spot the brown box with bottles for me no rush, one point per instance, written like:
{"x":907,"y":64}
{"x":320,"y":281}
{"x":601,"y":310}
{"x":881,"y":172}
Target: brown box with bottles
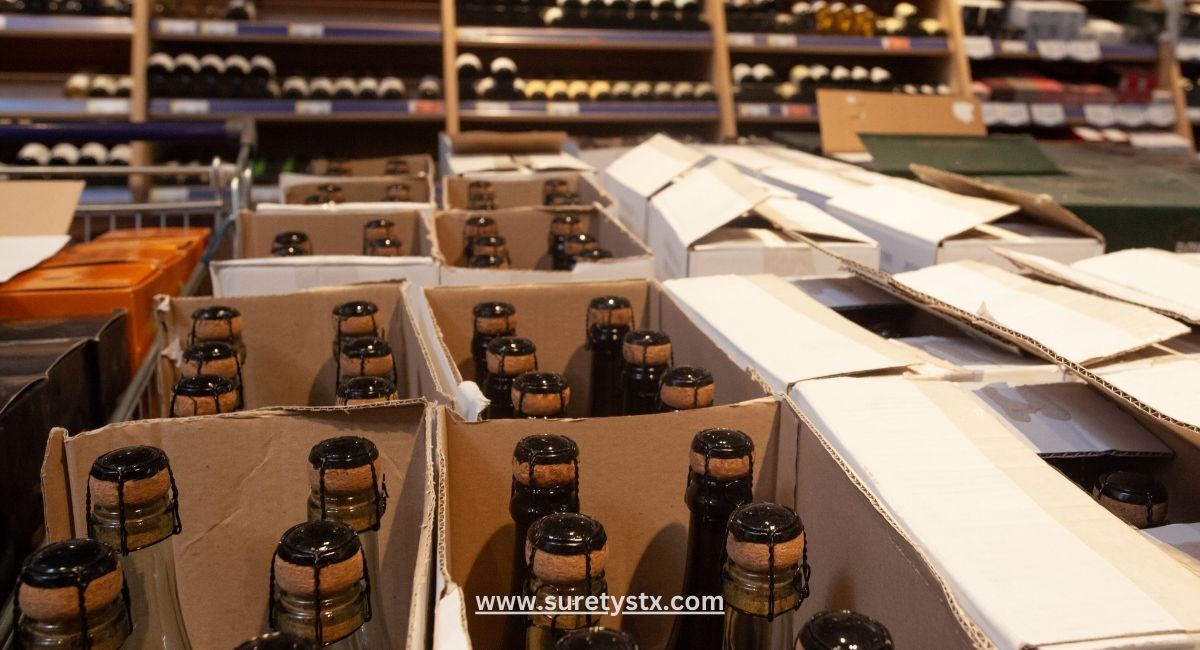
{"x":523,"y":193}
{"x":340,"y":231}
{"x":420,"y":165}
{"x":241,"y":484}
{"x":297,"y":188}
{"x":289,"y":343}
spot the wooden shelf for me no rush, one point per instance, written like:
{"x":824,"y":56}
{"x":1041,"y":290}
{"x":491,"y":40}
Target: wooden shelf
{"x":838,"y":45}
{"x":567,"y":112}
{"x":285,"y":110}
{"x":1019,"y":115}
{"x":590,"y":39}
{"x":169,"y":29}
{"x":89,"y":27}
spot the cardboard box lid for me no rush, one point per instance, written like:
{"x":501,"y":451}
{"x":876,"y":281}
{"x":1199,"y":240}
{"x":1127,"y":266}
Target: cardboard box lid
{"x":705,"y":199}
{"x":969,"y":352}
{"x":1153,"y":278}
{"x":83,"y":278}
{"x":34,"y":219}
{"x":926,"y":217}
{"x":822,"y":182}
{"x":648,"y":167}
{"x":1182,"y":542}
{"x":754,"y":158}
{"x":1166,"y":384}
{"x":791,"y":336}
{"x":845,"y":292}
{"x":550,"y":162}
{"x":996,"y":521}
{"x":466,"y":164}
{"x":1079,"y":327}
{"x":1069,"y":420}
{"x":794,"y":215}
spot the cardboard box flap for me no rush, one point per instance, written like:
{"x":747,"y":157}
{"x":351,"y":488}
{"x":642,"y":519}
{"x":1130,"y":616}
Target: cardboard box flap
{"x":996,"y":521}
{"x":1167,"y":385}
{"x":463,"y":165}
{"x":552,"y":162}
{"x":815,"y":182}
{"x":1156,"y":279}
{"x":754,"y":158}
{"x":474,"y":142}
{"x":34,"y":220}
{"x":844,"y":292}
{"x":648,"y":167}
{"x":1037,"y":206}
{"x":826,"y":344}
{"x":1181,"y":541}
{"x":1070,"y":419}
{"x":983,"y":206}
{"x":1079,"y":327}
{"x":928,"y":219}
{"x":705,"y":199}
{"x":799,"y":216}
{"x":369,"y":209}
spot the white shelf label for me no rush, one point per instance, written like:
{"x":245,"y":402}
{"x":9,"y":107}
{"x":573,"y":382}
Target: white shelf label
{"x":979,"y":47}
{"x":1014,"y":114}
{"x":991,"y":113}
{"x":1188,"y":50}
{"x":741,"y":39}
{"x":781,"y":40}
{"x":1193,"y":113}
{"x":1048,"y":114}
{"x":1099,"y":114}
{"x":1052,"y":50}
{"x":1160,"y":114}
{"x":314,"y":107}
{"x":107,"y":106}
{"x":754,"y":110}
{"x":1131,"y":115}
{"x":306,"y":30}
{"x":189,"y":106}
{"x":1084,"y":50}
{"x":219,"y":28}
{"x":176,"y":26}
{"x":170,"y":194}
{"x":3,"y":23}
{"x":562,"y":108}
{"x":493,"y":108}
{"x":1014,"y":47}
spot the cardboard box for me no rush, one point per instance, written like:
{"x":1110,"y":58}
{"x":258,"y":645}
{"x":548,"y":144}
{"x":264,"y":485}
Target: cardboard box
{"x":45,"y":209}
{"x":552,"y":316}
{"x":524,"y":193}
{"x":499,"y":155}
{"x":419,"y":165}
{"x":192,"y":241}
{"x":973,"y":359}
{"x":296,"y":188}
{"x":527,"y":231}
{"x":242,"y":484}
{"x":628,"y":482}
{"x":289,"y":343}
{"x":714,"y":220}
{"x":844,"y":114}
{"x":173,"y":262}
{"x":890,"y":491}
{"x":634,"y":178}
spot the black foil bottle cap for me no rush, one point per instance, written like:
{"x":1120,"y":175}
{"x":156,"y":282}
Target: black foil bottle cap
{"x":1131,"y":487}
{"x":567,"y":533}
{"x":367,"y":347}
{"x":511,"y":346}
{"x":343,"y":452}
{"x":844,"y":630}
{"x":379,"y":223}
{"x":487,"y":261}
{"x":687,"y":377}
{"x":209,"y":351}
{"x":129,"y":464}
{"x":356,"y":308}
{"x":278,"y":641}
{"x":493,"y":310}
{"x":540,"y":383}
{"x":722,"y":443}
{"x":215,"y":312}
{"x":366,"y":388}
{"x":765,"y":523}
{"x":546,"y":449}
{"x":288,"y":250}
{"x":493,"y":241}
{"x":596,"y":638}
{"x":609,"y":303}
{"x":203,"y":386}
{"x":69,"y":563}
{"x":290,"y":238}
{"x":318,"y":543}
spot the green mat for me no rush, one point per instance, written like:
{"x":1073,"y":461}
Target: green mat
{"x":994,"y":155}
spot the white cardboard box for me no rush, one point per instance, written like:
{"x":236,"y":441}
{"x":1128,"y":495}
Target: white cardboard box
{"x":634,"y":178}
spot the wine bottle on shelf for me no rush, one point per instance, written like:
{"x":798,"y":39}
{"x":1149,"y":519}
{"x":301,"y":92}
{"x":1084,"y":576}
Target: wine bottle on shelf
{"x":69,"y":595}
{"x":345,"y":87}
{"x":844,"y":629}
{"x":124,"y":86}
{"x":763,"y":73}
{"x":237,"y":72}
{"x":642,"y":91}
{"x":552,"y":17}
{"x":535,"y":90}
{"x":469,"y":66}
{"x":577,"y":91}
{"x":839,"y":77}
{"x":430,"y":87}
{"x":320,"y":88}
{"x":241,"y":10}
{"x":262,"y":72}
{"x":503,"y":69}
{"x":600,"y":91}
{"x":572,"y":12}
{"x":800,"y":78}
{"x":77,"y":86}
{"x":212,"y":69}
{"x":160,"y":75}
{"x":486,"y":88}
{"x":664,"y":14}
{"x":683,"y":91}
{"x":64,"y":154}
{"x":366,"y":88}
{"x":860,"y":78}
{"x":557,"y":90}
{"x":93,"y":154}
{"x":566,"y":554}
{"x":295,"y":87}
{"x":391,"y":87}
{"x":765,"y":577}
{"x":102,"y":86}
{"x":507,"y":358}
{"x":609,"y":319}
{"x":743,"y":73}
{"x":663,"y":91}
{"x":120,"y":155}
{"x":641,"y":14}
{"x":688,"y":13}
{"x":617,"y":13}
{"x":33,"y":154}
{"x":704,"y":92}
{"x":622,"y":91}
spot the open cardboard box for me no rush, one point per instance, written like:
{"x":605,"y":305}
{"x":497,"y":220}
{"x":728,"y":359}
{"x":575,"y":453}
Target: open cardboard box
{"x":289,"y":343}
{"x":920,"y":489}
{"x":296,"y":188}
{"x":419,"y":165}
{"x":524,"y":192}
{"x":527,"y":231}
{"x":46,"y":209}
{"x":714,"y":220}
{"x":496,"y":155}
{"x":553,"y":317}
{"x":634,"y":178}
{"x":242,"y":483}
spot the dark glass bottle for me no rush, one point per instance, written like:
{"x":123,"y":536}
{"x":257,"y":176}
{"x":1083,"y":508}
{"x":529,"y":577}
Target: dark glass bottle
{"x":477,"y":227}
{"x":1136,"y":498}
{"x":507,"y":358}
{"x":720,"y":479}
{"x":278,"y":641}
{"x":378,"y":229}
{"x":481,"y":195}
{"x":44,"y":619}
{"x":490,"y":245}
{"x":352,"y":320}
{"x":545,"y":480}
{"x":540,"y":395}
{"x":562,"y":228}
{"x":596,"y":638}
{"x":647,"y":356}
{"x":566,"y":559}
{"x":320,"y":586}
{"x":844,"y":630}
{"x":203,"y":395}
{"x":217,"y":323}
{"x":386,"y":247}
{"x":575,"y":246}
{"x":491,"y":320}
{"x":214,"y":358}
{"x":488,"y":262}
{"x":358,"y":391}
{"x":685,"y":388}
{"x":765,"y":577}
{"x":368,"y":356}
{"x":609,"y":319}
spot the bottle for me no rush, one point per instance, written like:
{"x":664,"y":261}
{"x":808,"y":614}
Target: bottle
{"x":685,"y":388}
{"x":540,"y":395}
{"x":345,"y":87}
{"x":295,"y":87}
{"x":366,"y":88}
{"x":647,"y":355}
{"x":545,"y":480}
{"x":102,"y":85}
{"x":488,"y":262}
{"x":236,"y":79}
{"x":369,"y":356}
{"x":289,"y":250}
{"x":119,"y":155}
{"x":241,"y":10}
{"x":347,"y":485}
{"x":844,"y":630}
{"x":507,"y":358}
{"x":64,"y":154}
{"x":491,"y":320}
{"x":278,"y":641}
{"x":663,"y":91}
{"x":557,"y":191}
{"x":469,"y":66}
{"x":562,"y":228}
{"x":1135,"y":498}
{"x":765,"y":576}
{"x":600,"y":91}
{"x":203,"y":395}
{"x":378,"y":229}
{"x":33,"y":154}
{"x":591,"y":255}
{"x":320,"y":88}
{"x":705,"y":92}
{"x":212,"y":68}
{"x":481,"y":195}
{"x":320,"y":585}
{"x":577,"y":91}
{"x":216,"y":359}
{"x":622,"y":91}
{"x":353,"y":320}
{"x":576,"y":245}
{"x":763,"y":73}
{"x":292,"y":238}
{"x":45,"y":619}
{"x":664,"y":14}
{"x":134,"y":508}
{"x":683,"y":91}
{"x":596,"y":638}
{"x":124,"y":86}
{"x":720,"y":479}
{"x":392,"y":88}
{"x":430,"y":87}
{"x":77,"y":86}
{"x":92,"y":154}
{"x":566,"y":554}
{"x":535,"y":90}
{"x":491,"y":245}
{"x":186,"y":74}
{"x":358,"y":391}
{"x":609,"y":319}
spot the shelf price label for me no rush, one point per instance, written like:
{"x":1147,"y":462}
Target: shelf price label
{"x":1085,"y":49}
{"x":1188,"y":50}
{"x":1014,"y":114}
{"x":176,"y":26}
{"x":219,"y":28}
{"x":306,"y":30}
{"x":1099,"y":114}
{"x":898,"y":43}
{"x":991,"y":113}
{"x":107,"y":106}
{"x":979,"y":47}
{"x":781,"y":40}
{"x":1014,"y":47}
{"x":3,"y":23}
{"x":189,"y":107}
{"x":798,"y":110}
{"x":562,"y":108}
{"x":493,"y":108}
{"x":314,"y":107}
{"x":1047,"y":114}
{"x":1193,"y":113}
{"x":741,"y":39}
{"x":1052,"y":50}
{"x":754,"y":110}
{"x":1131,"y":115}
{"x":425,"y":107}
{"x":1160,"y":114}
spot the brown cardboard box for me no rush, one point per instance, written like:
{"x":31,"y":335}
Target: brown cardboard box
{"x":289,"y":343}
{"x":358,"y":189}
{"x":420,"y":165}
{"x":241,"y":481}
{"x":523,"y":193}
{"x":844,"y":114}
{"x":337,"y":232}
{"x":40,"y":214}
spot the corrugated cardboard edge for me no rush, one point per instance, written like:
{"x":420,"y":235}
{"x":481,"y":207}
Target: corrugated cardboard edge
{"x":503,"y":142}
{"x":1037,"y":206}
{"x":979,"y":640}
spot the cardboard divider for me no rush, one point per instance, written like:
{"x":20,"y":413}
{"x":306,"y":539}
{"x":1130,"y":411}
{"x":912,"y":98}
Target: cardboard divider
{"x":419,"y":165}
{"x":289,"y":343}
{"x":332,"y":232}
{"x":296,"y":188}
{"x":523,"y":193}
{"x":241,"y":484}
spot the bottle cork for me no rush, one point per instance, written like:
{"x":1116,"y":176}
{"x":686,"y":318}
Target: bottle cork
{"x":327,"y":547}
{"x":495,"y":318}
{"x":210,"y":358}
{"x":566,"y":225}
{"x":348,"y":463}
{"x":495,"y":245}
{"x":368,"y":356}
{"x":567,"y":548}
{"x":576,"y":244}
{"x":843,"y":630}
{"x":755,"y":528}
{"x":293,"y":239}
{"x":333,"y":193}
{"x":510,"y":356}
{"x":479,"y":226}
{"x":48,"y":586}
{"x":488,"y":262}
{"x":216,"y":323}
{"x":687,"y":387}
{"x":1134,"y":497}
{"x":540,"y":394}
{"x":647,"y":348}
{"x":140,"y":472}
{"x":610,"y":311}
{"x":545,"y":460}
{"x":379,"y":229}
{"x":385,"y":247}
{"x":722,"y":454}
{"x":356,"y":318}
{"x":203,"y":395}
{"x":278,"y":641}
{"x":358,"y":391}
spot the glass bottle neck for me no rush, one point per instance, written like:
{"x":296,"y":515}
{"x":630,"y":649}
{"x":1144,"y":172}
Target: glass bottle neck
{"x":341,"y":614}
{"x":107,"y":626}
{"x":154,"y":598}
{"x":561,"y":607}
{"x":128,"y":527}
{"x":761,"y":594}
{"x":359,"y":510}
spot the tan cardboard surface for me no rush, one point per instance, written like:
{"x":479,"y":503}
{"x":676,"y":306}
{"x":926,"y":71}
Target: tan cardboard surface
{"x":521,"y":193}
{"x":420,"y":165}
{"x":273,"y":275}
{"x":242,"y":482}
{"x":503,"y":142}
{"x":358,"y":189}
{"x":331,"y":233}
{"x":34,"y":220}
{"x":844,"y":114}
{"x":984,"y":362}
{"x":1167,"y":385}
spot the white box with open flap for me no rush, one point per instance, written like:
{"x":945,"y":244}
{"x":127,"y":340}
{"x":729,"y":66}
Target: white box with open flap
{"x":524,"y":192}
{"x":634,"y":178}
{"x":714,"y":220}
{"x":39,"y":218}
{"x":918,"y":226}
{"x":553,"y":317}
{"x":498,"y":155}
{"x":289,"y":343}
{"x":298,"y":189}
{"x":527,"y":234}
{"x":242,"y":481}
{"x":337,"y":236}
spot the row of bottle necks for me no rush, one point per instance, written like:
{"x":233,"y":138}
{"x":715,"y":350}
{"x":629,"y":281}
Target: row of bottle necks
{"x":832,"y":18}
{"x":760,"y":82}
{"x":210,"y":75}
{"x":597,"y":14}
{"x":500,"y":80}
{"x":67,"y":7}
